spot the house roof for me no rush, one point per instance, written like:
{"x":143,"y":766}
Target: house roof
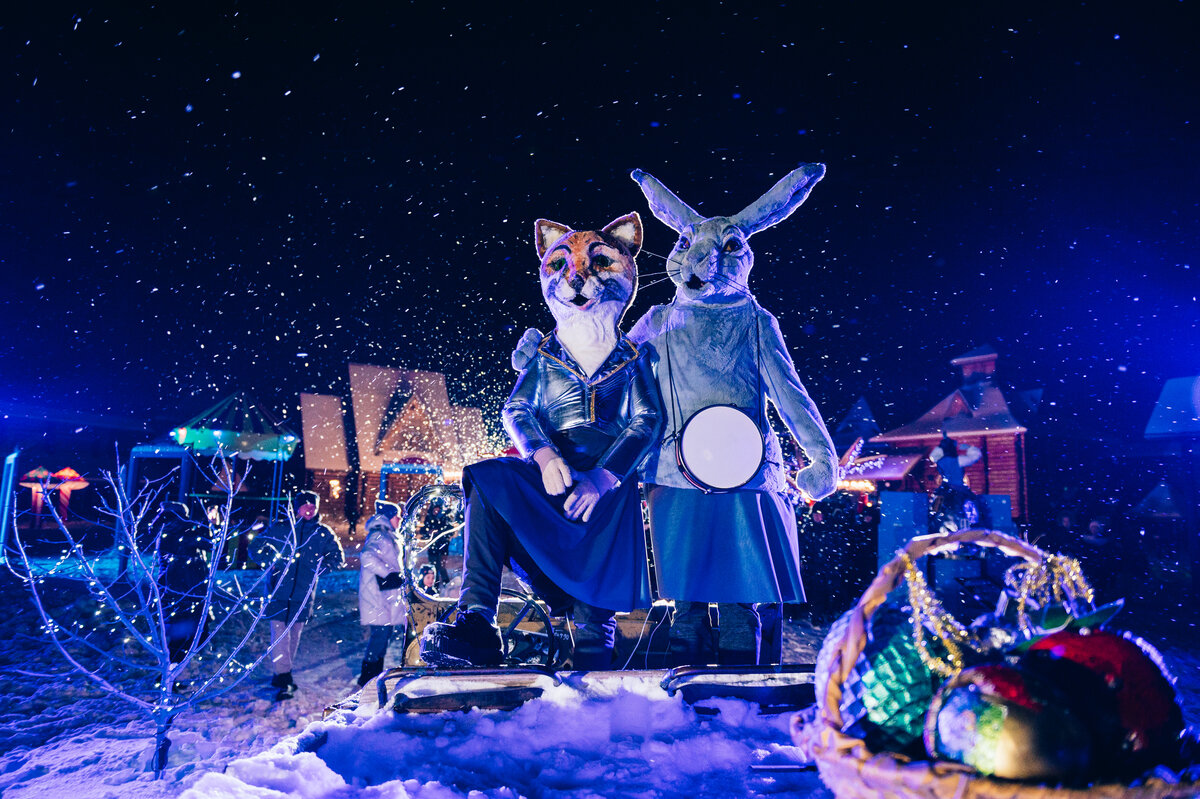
{"x":859,"y":422}
{"x":324,"y":433}
{"x":979,"y":409}
{"x":1177,"y":412}
{"x":893,"y":466}
{"x":402,"y":414}
{"x":983,"y":353}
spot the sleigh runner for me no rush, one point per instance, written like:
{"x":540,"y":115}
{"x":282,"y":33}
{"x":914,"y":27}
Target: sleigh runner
{"x":781,"y":689}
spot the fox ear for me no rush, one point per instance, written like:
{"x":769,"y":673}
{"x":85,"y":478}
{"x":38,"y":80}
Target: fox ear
{"x":784,"y":197}
{"x":628,"y":231}
{"x":669,"y":209}
{"x":545,"y":233}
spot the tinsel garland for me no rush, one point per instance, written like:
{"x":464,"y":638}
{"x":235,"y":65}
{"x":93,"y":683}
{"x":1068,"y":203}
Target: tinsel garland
{"x":1054,"y":579}
{"x":927,"y":610}
{"x":1051,"y":580}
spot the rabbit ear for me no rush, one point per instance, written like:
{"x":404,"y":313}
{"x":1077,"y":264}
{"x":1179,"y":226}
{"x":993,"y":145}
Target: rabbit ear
{"x":784,"y":197}
{"x":546,"y":233}
{"x":669,"y":209}
{"x":628,"y":231}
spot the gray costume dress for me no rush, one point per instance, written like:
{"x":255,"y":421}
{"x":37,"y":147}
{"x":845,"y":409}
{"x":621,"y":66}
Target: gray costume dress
{"x":739,"y":546}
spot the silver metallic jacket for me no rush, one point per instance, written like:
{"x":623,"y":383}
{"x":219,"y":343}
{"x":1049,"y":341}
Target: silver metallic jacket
{"x":611,"y":420}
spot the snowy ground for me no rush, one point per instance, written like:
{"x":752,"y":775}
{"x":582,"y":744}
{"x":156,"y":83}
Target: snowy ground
{"x":59,"y":737}
{"x":624,"y":738}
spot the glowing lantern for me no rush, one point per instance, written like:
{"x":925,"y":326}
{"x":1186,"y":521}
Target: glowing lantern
{"x":69,"y":480}
{"x":35,"y":479}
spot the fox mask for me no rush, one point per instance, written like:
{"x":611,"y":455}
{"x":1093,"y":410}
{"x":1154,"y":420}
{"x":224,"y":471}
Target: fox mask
{"x":589,"y":273}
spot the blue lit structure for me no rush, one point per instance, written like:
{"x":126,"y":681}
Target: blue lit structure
{"x":389,"y":469}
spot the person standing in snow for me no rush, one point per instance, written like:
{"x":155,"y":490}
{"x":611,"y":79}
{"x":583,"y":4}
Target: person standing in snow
{"x":381,"y":605}
{"x":433,"y":527}
{"x":954,"y":506}
{"x":183,"y":548}
{"x":297,"y":563}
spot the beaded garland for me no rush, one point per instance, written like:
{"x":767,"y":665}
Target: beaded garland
{"x":927,"y":611}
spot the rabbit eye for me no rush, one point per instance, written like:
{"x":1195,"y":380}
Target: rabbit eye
{"x":683,"y":244}
{"x":733,"y":245}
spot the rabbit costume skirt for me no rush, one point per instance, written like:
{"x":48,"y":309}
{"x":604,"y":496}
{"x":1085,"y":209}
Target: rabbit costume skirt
{"x":601,"y":562}
{"x":736,"y":547}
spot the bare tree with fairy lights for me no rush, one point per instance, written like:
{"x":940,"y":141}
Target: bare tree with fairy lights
{"x":170,"y":629}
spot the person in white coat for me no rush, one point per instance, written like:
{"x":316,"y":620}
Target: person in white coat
{"x":381,"y":602}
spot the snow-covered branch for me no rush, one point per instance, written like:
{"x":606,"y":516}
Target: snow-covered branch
{"x":167,"y":612}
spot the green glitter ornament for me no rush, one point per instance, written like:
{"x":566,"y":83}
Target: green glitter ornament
{"x":886,"y":695}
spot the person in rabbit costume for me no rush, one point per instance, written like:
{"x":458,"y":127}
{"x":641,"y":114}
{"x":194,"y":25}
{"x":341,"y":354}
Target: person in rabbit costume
{"x":718,"y":346}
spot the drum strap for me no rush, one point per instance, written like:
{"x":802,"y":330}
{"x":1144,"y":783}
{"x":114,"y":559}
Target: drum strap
{"x":671,"y":381}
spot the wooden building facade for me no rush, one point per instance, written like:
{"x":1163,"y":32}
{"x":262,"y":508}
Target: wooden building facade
{"x":396,"y":418}
{"x":978,"y":414}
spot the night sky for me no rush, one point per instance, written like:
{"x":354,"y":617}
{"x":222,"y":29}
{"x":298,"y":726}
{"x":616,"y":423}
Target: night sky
{"x":199,"y":198}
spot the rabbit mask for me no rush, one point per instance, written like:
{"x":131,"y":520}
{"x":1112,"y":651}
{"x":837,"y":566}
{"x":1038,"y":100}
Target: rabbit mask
{"x":711,"y":261}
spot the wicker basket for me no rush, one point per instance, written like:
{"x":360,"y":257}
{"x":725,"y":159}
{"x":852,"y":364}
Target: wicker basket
{"x":852,"y":771}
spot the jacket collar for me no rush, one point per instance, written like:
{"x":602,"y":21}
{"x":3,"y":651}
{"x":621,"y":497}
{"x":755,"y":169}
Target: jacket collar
{"x":623,"y":353}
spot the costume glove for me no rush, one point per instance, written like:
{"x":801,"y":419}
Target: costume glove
{"x":390,"y":582}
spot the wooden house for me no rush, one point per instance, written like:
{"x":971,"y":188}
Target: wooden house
{"x":396,"y":425}
{"x":977,"y":413}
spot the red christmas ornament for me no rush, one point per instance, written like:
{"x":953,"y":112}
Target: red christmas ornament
{"x":1149,"y":713}
{"x":1007,"y":722}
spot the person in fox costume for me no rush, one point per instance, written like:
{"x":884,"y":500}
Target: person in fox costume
{"x":584,"y":413}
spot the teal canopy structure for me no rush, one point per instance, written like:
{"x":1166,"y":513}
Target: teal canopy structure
{"x":237,"y":426}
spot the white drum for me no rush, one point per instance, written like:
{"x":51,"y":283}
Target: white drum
{"x":719,"y":449}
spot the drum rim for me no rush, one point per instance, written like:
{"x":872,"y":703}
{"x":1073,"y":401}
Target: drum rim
{"x":696,"y":481}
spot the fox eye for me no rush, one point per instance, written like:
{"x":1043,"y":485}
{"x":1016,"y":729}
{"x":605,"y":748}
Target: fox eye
{"x":733,"y":245}
{"x":683,"y":244}
{"x":602,"y":261}
{"x":557,"y":264}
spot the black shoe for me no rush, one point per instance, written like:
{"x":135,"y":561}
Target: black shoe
{"x":591,"y":657}
{"x":370,"y":670}
{"x":471,"y":640}
{"x":286,"y":685}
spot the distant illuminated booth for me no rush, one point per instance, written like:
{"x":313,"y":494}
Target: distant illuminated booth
{"x":976,"y":414}
{"x":394,"y":433}
{"x":236,"y":429}
{"x":1173,"y":506}
{"x":888,"y":477}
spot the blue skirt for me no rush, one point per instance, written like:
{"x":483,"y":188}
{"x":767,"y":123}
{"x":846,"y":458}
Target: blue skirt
{"x":736,"y":547}
{"x":601,"y":562}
